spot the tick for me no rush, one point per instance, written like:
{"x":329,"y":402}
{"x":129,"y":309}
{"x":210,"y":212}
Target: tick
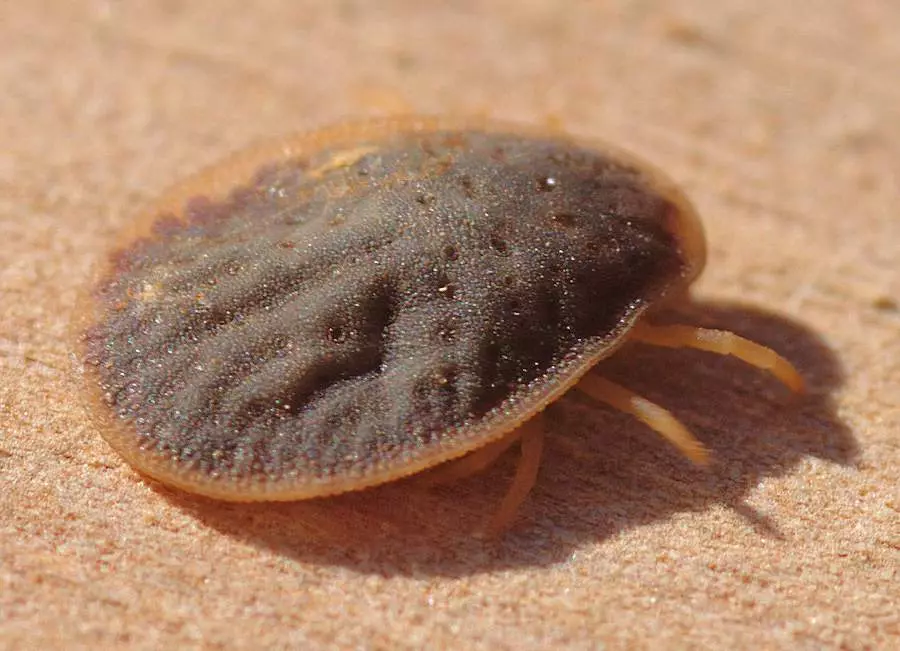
{"x":355,"y":305}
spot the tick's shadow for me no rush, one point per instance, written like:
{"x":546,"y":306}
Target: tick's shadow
{"x":602,"y":472}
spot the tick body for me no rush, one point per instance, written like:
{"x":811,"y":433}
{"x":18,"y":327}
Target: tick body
{"x":344,"y":308}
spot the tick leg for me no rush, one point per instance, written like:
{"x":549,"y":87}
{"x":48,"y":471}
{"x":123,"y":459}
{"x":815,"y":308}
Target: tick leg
{"x":473,"y":463}
{"x":723,"y":343}
{"x":660,"y":420}
{"x":531,"y":437}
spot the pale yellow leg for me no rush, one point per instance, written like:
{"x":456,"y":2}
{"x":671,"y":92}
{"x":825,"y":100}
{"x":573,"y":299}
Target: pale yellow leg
{"x":531,"y":437}
{"x":473,"y":463}
{"x":723,"y":343}
{"x":650,"y":413}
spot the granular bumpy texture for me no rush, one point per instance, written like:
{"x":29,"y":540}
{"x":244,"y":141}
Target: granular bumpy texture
{"x":360,"y":308}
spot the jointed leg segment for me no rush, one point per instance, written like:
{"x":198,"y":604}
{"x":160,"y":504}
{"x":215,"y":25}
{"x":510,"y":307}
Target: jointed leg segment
{"x":722,"y":342}
{"x":680,"y":336}
{"x":530,"y":436}
{"x":473,"y":463}
{"x":650,"y":413}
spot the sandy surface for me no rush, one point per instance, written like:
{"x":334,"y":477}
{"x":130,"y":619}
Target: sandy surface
{"x":783,"y":124}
